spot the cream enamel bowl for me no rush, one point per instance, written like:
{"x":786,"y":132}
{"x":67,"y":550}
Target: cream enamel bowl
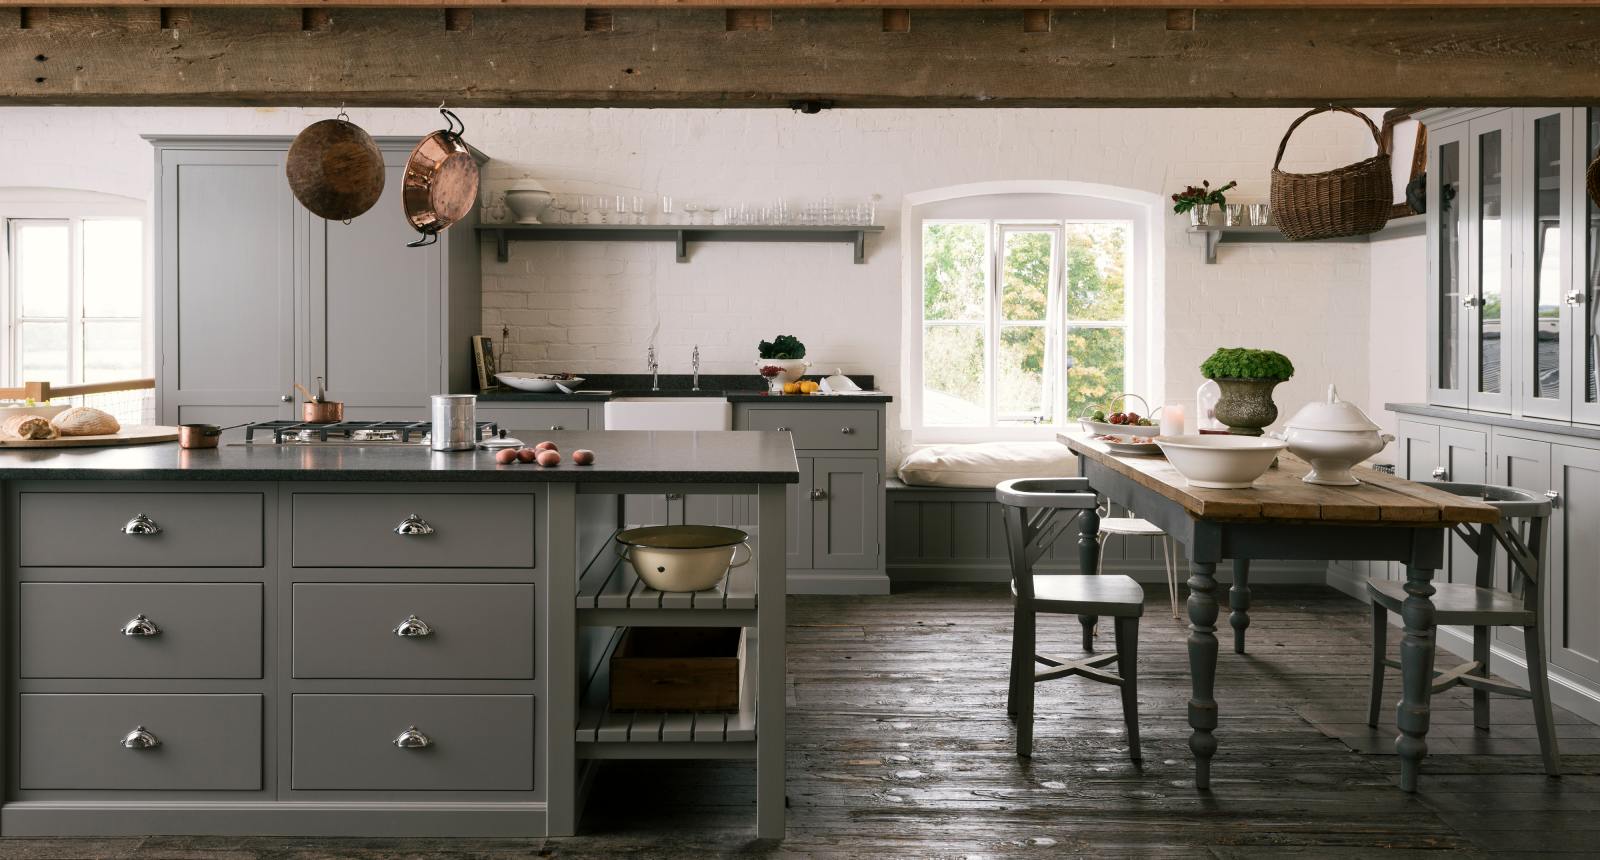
{"x":1219,"y":461}
{"x":683,"y":558}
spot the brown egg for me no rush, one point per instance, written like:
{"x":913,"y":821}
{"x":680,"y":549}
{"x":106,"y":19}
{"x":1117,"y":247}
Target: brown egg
{"x":527,"y":455}
{"x":546,"y":445}
{"x":505,"y":455}
{"x":583,"y":457}
{"x":549,"y":457}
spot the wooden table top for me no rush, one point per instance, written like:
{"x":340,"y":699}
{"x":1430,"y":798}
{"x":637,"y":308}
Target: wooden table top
{"x":1281,"y":495}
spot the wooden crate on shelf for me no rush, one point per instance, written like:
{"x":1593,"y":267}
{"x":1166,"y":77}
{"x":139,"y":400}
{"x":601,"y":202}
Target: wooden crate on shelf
{"x":677,"y":669}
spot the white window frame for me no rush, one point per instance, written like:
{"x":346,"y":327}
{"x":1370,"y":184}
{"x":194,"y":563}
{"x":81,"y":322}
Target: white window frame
{"x":1020,"y":204}
{"x":73,"y":208}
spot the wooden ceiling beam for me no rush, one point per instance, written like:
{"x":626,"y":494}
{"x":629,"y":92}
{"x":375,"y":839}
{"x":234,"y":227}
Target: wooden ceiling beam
{"x":689,"y":58}
{"x":1280,"y":5}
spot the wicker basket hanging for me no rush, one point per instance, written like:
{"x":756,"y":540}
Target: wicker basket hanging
{"x":1346,"y":201}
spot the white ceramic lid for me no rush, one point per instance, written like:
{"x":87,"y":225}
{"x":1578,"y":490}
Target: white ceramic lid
{"x":1332,"y":414}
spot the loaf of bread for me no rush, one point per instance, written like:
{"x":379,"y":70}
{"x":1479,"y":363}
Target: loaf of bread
{"x":85,"y":421}
{"x":24,"y":426}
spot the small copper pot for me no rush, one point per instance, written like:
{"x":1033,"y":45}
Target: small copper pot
{"x":322,"y":411}
{"x":199,"y":435}
{"x":440,"y":186}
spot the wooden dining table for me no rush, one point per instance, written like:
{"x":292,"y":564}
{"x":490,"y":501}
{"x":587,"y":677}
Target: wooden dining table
{"x":1281,"y":517}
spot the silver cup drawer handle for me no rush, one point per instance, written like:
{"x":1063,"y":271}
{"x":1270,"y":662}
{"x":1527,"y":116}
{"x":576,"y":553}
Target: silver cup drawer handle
{"x":140,"y":739}
{"x":413,"y":628}
{"x":847,"y":430}
{"x":140,"y":626}
{"x":413,"y":526}
{"x":412,"y":739}
{"x":140,"y":526}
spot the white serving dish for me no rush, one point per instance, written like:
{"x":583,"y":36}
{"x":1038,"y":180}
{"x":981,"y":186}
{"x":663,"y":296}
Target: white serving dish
{"x":790,"y":369}
{"x":1101,"y":428}
{"x":1220,"y":461}
{"x":1147,"y":448}
{"x":528,"y":204}
{"x":1333,"y":436}
{"x":537,"y":382}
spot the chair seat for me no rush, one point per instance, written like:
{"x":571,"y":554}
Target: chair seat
{"x":1458,"y":603}
{"x":1077,"y":594}
{"x":1129,"y":526}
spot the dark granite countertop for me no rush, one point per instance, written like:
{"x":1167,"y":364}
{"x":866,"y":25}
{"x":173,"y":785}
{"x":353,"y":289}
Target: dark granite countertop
{"x":684,"y":457}
{"x":1496,"y":419}
{"x":740,"y":388}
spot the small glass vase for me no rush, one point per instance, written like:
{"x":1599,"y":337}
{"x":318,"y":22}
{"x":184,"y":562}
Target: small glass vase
{"x":1200,"y":216}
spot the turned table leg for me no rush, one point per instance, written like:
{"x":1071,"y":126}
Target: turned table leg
{"x":1088,"y":564}
{"x":1239,"y":602}
{"x":1416,"y":674}
{"x":1202,"y":668}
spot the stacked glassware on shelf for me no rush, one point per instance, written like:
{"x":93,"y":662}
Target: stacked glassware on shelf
{"x":633,"y":209}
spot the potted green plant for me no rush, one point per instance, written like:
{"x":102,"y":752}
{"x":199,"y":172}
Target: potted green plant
{"x":1198,"y":201}
{"x":781,"y":360}
{"x":1247,"y":377}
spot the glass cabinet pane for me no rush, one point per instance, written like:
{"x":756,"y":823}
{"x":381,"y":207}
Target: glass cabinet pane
{"x":1491,"y":251}
{"x":1588,"y":326}
{"x":1547,"y":249}
{"x":1447,"y":254}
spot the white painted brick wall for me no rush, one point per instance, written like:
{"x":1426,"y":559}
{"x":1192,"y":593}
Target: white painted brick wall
{"x":588,"y":306}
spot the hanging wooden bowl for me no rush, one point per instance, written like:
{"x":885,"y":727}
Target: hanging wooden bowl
{"x":441,"y":181}
{"x":335,"y":169}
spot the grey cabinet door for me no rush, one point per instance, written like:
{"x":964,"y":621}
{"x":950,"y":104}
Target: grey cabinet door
{"x":458,"y":530}
{"x":1417,"y":450}
{"x":845,"y":532}
{"x":201,"y":742}
{"x":1524,"y":464}
{"x":374,"y":304}
{"x":349,"y":630}
{"x":225,"y":275}
{"x":801,"y":509}
{"x":1548,"y":162}
{"x":1448,"y":193}
{"x":474,"y":743}
{"x":1573,"y":572}
{"x":1492,"y":338}
{"x":1465,"y":456}
{"x":200,"y":630}
{"x":93,"y":529}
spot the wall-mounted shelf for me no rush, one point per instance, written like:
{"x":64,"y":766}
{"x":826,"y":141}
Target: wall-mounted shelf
{"x":1410,"y":225}
{"x":679,"y":235}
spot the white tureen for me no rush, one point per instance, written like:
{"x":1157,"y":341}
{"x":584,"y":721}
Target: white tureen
{"x":1333,"y":436}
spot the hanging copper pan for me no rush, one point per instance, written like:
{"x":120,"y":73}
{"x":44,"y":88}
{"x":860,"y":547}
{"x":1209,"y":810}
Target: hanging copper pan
{"x":441,"y":181}
{"x":335,"y":169}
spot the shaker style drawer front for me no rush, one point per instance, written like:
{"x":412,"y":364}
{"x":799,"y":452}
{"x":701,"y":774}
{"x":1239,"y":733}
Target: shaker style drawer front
{"x":140,"y":529}
{"x":522,"y":420}
{"x":812,"y":427}
{"x":412,"y":743}
{"x":128,"y":742}
{"x":387,"y":630}
{"x":140,"y":630}
{"x":413,"y":530}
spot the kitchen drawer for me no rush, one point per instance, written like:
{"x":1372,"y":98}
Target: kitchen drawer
{"x":522,"y":420}
{"x":76,"y":741}
{"x":818,"y":428}
{"x":200,"y":630}
{"x":348,"y":630}
{"x":460,"y":530}
{"x":476,"y":743}
{"x":92,"y":529}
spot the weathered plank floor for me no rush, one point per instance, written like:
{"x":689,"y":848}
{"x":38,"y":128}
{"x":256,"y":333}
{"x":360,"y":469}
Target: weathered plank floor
{"x":899,"y":746}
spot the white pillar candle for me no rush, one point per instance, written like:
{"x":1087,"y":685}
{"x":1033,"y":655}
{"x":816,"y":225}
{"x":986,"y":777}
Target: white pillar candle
{"x":1172,"y":419}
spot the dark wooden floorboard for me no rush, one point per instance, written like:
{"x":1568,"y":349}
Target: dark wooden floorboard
{"x":899,"y":746}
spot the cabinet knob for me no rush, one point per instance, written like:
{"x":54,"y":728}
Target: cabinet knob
{"x":140,"y":526}
{"x":286,"y":398}
{"x":1440,"y":473}
{"x":1575,"y":297}
{"x":673,"y":497}
{"x":413,"y":628}
{"x":818,"y":494}
{"x":783,"y":429}
{"x":140,"y":739}
{"x":412,"y":739}
{"x":557,"y":427}
{"x":141,"y":626}
{"x":413,"y":526}
{"x":1554,"y":497}
{"x":847,"y":430}
{"x":1470,"y":301}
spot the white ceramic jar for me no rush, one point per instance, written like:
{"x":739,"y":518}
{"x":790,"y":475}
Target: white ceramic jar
{"x":1333,"y":436}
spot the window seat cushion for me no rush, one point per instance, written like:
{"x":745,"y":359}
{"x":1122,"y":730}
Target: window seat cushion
{"x":982,"y":465}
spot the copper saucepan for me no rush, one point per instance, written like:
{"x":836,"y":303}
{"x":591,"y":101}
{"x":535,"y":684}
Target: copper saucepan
{"x":317,"y":408}
{"x":441,"y":181}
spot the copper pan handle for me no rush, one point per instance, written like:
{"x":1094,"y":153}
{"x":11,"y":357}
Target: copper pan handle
{"x":426,"y":240}
{"x":452,"y":122}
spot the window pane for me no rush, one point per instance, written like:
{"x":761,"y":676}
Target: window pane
{"x":1096,"y":368}
{"x":954,"y":391}
{"x":1025,"y":293}
{"x":1020,"y":376}
{"x":41,"y":268}
{"x":112,"y":350}
{"x":955,"y":260}
{"x":1547,"y":254}
{"x":113,"y":268}
{"x":44,"y":353}
{"x":1451,"y":231}
{"x":1097,"y":262}
{"x":1490,"y":194}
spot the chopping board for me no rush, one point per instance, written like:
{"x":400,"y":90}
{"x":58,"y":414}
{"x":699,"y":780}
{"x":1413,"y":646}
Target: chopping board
{"x":138,"y":434}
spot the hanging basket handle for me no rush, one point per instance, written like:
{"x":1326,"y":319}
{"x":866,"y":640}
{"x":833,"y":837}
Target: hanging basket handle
{"x":1377,"y":137}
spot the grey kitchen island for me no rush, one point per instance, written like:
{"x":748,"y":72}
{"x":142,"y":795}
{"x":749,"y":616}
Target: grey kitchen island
{"x":358,"y":640}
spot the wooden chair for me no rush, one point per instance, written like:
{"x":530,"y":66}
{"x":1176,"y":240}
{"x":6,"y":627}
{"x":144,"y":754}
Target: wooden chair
{"x":1029,"y":509}
{"x":1523,"y":532}
{"x":1132,"y":526}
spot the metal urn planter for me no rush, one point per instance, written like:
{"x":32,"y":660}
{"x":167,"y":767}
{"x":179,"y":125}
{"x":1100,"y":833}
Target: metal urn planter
{"x":1246,"y":405}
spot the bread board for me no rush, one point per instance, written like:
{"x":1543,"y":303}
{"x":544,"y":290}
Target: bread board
{"x":138,"y":434}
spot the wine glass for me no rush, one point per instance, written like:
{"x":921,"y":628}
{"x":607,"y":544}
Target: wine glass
{"x":690,"y":210}
{"x":666,"y":210}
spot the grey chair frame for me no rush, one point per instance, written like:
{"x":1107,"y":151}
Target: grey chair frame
{"x":1523,"y":532}
{"x":1030,"y":509}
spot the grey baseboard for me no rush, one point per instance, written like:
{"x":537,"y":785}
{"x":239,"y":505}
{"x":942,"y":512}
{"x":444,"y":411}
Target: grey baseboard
{"x":1261,"y":573}
{"x":837,"y":582}
{"x":270,"y":818}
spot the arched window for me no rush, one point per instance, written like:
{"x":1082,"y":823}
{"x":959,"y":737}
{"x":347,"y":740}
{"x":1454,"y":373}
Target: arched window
{"x":1030,"y":304}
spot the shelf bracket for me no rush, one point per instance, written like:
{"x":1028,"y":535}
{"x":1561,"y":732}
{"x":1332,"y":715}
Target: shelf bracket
{"x":1213,"y":239}
{"x":683,"y":248}
{"x":502,"y":246}
{"x":861,"y":247}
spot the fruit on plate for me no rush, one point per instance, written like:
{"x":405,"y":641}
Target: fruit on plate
{"x":808,"y":386}
{"x":791,"y":388}
{"x":1098,"y":416}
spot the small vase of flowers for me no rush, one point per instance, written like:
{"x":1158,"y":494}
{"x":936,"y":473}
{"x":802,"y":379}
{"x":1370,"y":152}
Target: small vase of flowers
{"x":1198,"y":201}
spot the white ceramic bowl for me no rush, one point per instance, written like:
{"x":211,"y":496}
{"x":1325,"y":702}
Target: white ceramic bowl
{"x":1333,"y":453}
{"x":1219,"y":461}
{"x":683,"y":558}
{"x":790,"y":369}
{"x":528,"y":204}
{"x":1101,"y":428}
{"x":537,"y":382}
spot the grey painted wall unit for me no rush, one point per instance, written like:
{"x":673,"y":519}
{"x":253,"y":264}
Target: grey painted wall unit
{"x":255,"y":293}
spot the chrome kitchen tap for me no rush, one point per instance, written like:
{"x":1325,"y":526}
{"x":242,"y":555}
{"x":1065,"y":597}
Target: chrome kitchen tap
{"x":650,"y":361}
{"x":694,"y":361}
